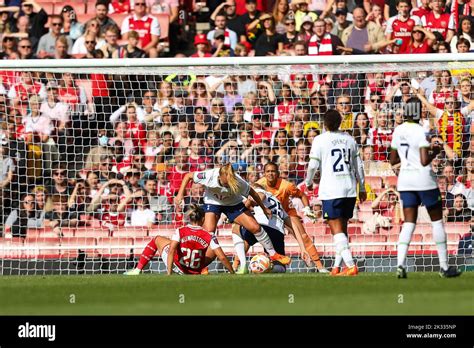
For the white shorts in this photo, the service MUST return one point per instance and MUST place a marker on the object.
(164, 257)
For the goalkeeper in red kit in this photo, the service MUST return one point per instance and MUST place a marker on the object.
(188, 251)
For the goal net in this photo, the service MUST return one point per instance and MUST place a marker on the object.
(93, 152)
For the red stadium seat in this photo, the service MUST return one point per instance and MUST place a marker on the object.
(354, 229)
(42, 233)
(130, 232)
(364, 215)
(423, 229)
(375, 182)
(15, 243)
(37, 248)
(139, 243)
(70, 247)
(457, 227)
(164, 231)
(394, 229)
(365, 241)
(111, 247)
(324, 243)
(84, 232)
(118, 18)
(315, 229)
(393, 238)
(83, 18)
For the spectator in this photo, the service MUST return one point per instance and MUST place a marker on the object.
(290, 35)
(363, 36)
(423, 10)
(230, 37)
(61, 48)
(24, 217)
(437, 21)
(147, 27)
(422, 40)
(269, 42)
(344, 106)
(102, 18)
(381, 136)
(25, 49)
(361, 131)
(341, 23)
(71, 28)
(60, 185)
(401, 26)
(202, 46)
(111, 46)
(281, 9)
(460, 211)
(21, 31)
(228, 7)
(47, 43)
(306, 31)
(167, 153)
(37, 21)
(376, 14)
(9, 47)
(92, 35)
(241, 24)
(323, 43)
(388, 204)
(131, 50)
(119, 6)
(451, 121)
(465, 31)
(148, 106)
(300, 8)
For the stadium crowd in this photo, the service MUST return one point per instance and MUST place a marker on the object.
(112, 150)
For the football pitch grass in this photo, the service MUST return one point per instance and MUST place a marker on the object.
(279, 294)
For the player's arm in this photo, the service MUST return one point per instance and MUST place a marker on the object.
(359, 173)
(428, 153)
(394, 158)
(313, 166)
(222, 258)
(173, 247)
(255, 196)
(304, 254)
(179, 197)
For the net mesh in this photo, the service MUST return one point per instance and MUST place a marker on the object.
(92, 157)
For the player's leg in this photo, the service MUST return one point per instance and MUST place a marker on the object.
(432, 200)
(245, 219)
(411, 201)
(157, 244)
(337, 212)
(308, 243)
(211, 217)
(278, 240)
(336, 269)
(240, 248)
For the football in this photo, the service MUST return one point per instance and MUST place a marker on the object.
(259, 264)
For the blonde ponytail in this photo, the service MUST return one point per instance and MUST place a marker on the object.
(228, 171)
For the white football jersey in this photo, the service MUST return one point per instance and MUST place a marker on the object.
(407, 139)
(278, 214)
(217, 194)
(338, 159)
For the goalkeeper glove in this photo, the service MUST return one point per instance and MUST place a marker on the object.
(309, 214)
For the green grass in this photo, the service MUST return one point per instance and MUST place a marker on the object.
(313, 294)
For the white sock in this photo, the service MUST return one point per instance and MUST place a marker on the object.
(439, 236)
(342, 248)
(265, 240)
(404, 242)
(338, 260)
(239, 246)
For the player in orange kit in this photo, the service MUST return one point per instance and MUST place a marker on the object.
(284, 190)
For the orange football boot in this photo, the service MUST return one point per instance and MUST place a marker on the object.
(335, 271)
(349, 271)
(284, 260)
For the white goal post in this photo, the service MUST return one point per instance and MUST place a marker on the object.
(93, 150)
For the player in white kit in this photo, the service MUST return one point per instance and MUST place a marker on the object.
(224, 193)
(417, 185)
(274, 226)
(336, 155)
